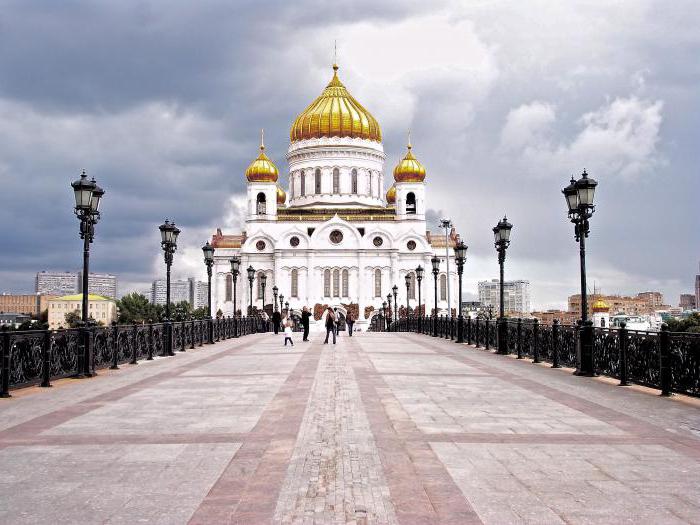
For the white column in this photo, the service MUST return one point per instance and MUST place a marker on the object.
(360, 289)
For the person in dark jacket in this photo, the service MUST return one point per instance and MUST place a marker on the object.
(330, 325)
(350, 320)
(276, 321)
(305, 315)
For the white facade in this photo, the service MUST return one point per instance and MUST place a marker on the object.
(516, 295)
(179, 291)
(336, 241)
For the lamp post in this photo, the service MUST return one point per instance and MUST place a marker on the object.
(408, 289)
(435, 261)
(251, 278)
(501, 235)
(168, 241)
(384, 314)
(263, 284)
(88, 196)
(460, 258)
(447, 224)
(579, 199)
(388, 300)
(286, 307)
(281, 302)
(395, 290)
(208, 251)
(274, 294)
(419, 278)
(235, 270)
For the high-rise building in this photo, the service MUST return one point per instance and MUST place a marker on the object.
(516, 295)
(103, 284)
(56, 283)
(697, 290)
(29, 304)
(179, 291)
(687, 301)
(198, 293)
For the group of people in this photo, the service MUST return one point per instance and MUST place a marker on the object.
(333, 322)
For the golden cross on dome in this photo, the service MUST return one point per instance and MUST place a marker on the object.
(262, 139)
(409, 139)
(335, 53)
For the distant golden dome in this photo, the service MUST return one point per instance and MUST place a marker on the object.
(599, 305)
(409, 169)
(281, 196)
(262, 169)
(335, 114)
(391, 195)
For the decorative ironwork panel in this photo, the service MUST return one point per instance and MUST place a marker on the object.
(606, 351)
(25, 357)
(567, 346)
(685, 363)
(643, 358)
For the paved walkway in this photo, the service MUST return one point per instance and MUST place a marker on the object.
(381, 428)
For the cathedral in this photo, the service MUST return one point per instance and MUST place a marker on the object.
(334, 237)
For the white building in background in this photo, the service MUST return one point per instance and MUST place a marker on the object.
(102, 309)
(56, 283)
(334, 237)
(104, 284)
(516, 295)
(179, 291)
(198, 293)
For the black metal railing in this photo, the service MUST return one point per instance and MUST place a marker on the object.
(663, 360)
(37, 357)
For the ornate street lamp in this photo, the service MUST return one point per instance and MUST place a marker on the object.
(419, 278)
(274, 294)
(408, 288)
(579, 196)
(286, 307)
(501, 235)
(263, 284)
(208, 251)
(435, 261)
(251, 278)
(235, 270)
(460, 257)
(281, 301)
(88, 196)
(384, 314)
(388, 300)
(168, 241)
(395, 290)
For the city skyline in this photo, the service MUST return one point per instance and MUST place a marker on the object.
(490, 147)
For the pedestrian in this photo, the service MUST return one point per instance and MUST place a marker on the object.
(350, 320)
(288, 333)
(276, 320)
(305, 315)
(330, 324)
(337, 323)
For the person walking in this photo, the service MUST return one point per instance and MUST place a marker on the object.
(337, 322)
(288, 333)
(305, 316)
(277, 321)
(330, 324)
(350, 320)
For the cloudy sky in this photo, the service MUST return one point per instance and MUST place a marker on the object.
(162, 101)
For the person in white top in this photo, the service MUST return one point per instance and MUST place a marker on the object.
(288, 333)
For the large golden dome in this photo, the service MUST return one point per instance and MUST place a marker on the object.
(281, 195)
(409, 169)
(262, 169)
(391, 195)
(335, 114)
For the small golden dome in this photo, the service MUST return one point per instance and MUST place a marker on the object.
(599, 305)
(391, 195)
(281, 196)
(335, 113)
(409, 169)
(262, 169)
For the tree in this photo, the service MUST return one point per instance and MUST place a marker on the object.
(73, 319)
(135, 308)
(180, 311)
(687, 324)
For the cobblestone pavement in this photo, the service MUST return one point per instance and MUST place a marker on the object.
(380, 428)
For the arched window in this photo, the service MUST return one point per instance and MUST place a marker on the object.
(411, 203)
(295, 283)
(261, 208)
(336, 180)
(327, 283)
(336, 283)
(346, 284)
(353, 176)
(229, 287)
(412, 286)
(260, 292)
(303, 184)
(317, 182)
(443, 287)
(377, 283)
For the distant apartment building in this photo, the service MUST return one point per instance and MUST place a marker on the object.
(548, 317)
(516, 296)
(56, 283)
(28, 304)
(103, 284)
(687, 302)
(179, 291)
(643, 303)
(13, 320)
(102, 309)
(198, 293)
